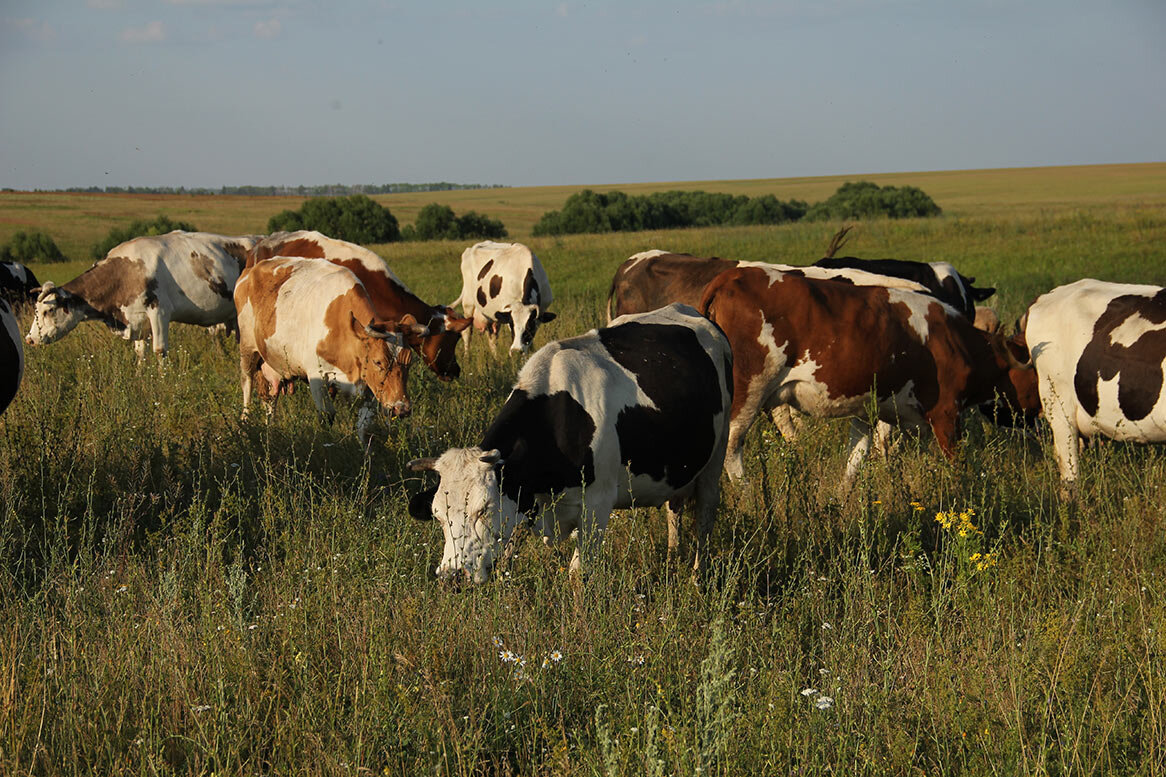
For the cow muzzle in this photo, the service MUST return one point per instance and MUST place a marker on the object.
(400, 409)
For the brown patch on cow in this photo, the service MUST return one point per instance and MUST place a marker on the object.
(360, 356)
(1138, 366)
(260, 286)
(206, 270)
(495, 286)
(238, 252)
(301, 246)
(481, 296)
(661, 280)
(113, 283)
(485, 269)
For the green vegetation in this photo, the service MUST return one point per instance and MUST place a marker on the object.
(439, 222)
(34, 246)
(356, 218)
(594, 212)
(183, 592)
(159, 225)
(864, 200)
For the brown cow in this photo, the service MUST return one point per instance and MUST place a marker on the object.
(824, 346)
(391, 298)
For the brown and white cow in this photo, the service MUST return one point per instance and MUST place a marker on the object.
(1099, 350)
(144, 284)
(824, 347)
(504, 283)
(391, 298)
(303, 318)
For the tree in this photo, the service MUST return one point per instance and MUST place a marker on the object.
(35, 246)
(357, 219)
(439, 222)
(863, 199)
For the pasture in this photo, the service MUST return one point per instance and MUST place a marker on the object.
(182, 592)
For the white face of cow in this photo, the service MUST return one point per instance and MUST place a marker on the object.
(475, 517)
(525, 319)
(57, 313)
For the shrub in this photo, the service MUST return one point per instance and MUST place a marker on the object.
(36, 246)
(863, 199)
(438, 222)
(616, 211)
(158, 226)
(357, 219)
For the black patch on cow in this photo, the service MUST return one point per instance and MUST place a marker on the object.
(481, 296)
(530, 295)
(919, 272)
(151, 292)
(545, 442)
(1139, 365)
(495, 286)
(421, 504)
(9, 361)
(485, 269)
(17, 284)
(673, 441)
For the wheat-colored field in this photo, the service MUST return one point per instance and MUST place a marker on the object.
(182, 592)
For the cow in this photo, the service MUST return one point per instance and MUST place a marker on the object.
(941, 279)
(11, 356)
(504, 283)
(17, 284)
(632, 414)
(303, 318)
(1099, 350)
(824, 347)
(390, 297)
(144, 284)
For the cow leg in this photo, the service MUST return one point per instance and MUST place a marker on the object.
(706, 498)
(783, 419)
(365, 416)
(322, 398)
(159, 330)
(140, 349)
(248, 364)
(592, 524)
(492, 336)
(1066, 441)
(859, 447)
(673, 511)
(883, 444)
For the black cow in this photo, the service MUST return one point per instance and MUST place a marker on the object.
(634, 413)
(11, 356)
(943, 281)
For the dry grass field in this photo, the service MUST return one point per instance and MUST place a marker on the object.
(182, 592)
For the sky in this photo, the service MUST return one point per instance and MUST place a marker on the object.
(209, 93)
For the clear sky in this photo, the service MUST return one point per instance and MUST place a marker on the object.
(519, 92)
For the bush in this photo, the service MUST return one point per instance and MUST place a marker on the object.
(438, 222)
(357, 219)
(36, 246)
(158, 226)
(589, 211)
(863, 199)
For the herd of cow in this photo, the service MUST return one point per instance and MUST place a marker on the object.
(650, 408)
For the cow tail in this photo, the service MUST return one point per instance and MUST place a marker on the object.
(610, 294)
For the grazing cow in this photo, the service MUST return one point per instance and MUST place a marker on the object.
(1100, 353)
(942, 281)
(303, 318)
(824, 346)
(504, 283)
(390, 297)
(17, 284)
(11, 356)
(636, 413)
(655, 278)
(147, 282)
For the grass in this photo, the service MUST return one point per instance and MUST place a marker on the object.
(185, 593)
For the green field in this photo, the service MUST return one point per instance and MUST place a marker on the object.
(185, 593)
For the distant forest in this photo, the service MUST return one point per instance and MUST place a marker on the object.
(283, 191)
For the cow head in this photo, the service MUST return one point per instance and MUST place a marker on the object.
(524, 320)
(476, 518)
(384, 361)
(1017, 400)
(56, 313)
(437, 348)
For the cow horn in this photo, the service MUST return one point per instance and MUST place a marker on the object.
(1002, 343)
(373, 331)
(44, 289)
(491, 457)
(420, 465)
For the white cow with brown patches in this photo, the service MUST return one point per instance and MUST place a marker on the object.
(144, 284)
(303, 318)
(504, 283)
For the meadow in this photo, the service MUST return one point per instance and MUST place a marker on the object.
(182, 592)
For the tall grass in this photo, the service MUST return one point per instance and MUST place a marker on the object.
(184, 592)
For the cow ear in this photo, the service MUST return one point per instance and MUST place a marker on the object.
(546, 316)
(421, 504)
(979, 295)
(503, 317)
(421, 465)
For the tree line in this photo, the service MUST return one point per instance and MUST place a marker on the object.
(323, 190)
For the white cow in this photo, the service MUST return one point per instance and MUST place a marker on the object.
(1099, 350)
(145, 283)
(504, 283)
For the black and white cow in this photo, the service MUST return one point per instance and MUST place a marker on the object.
(942, 280)
(636, 412)
(1099, 350)
(504, 283)
(11, 356)
(17, 284)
